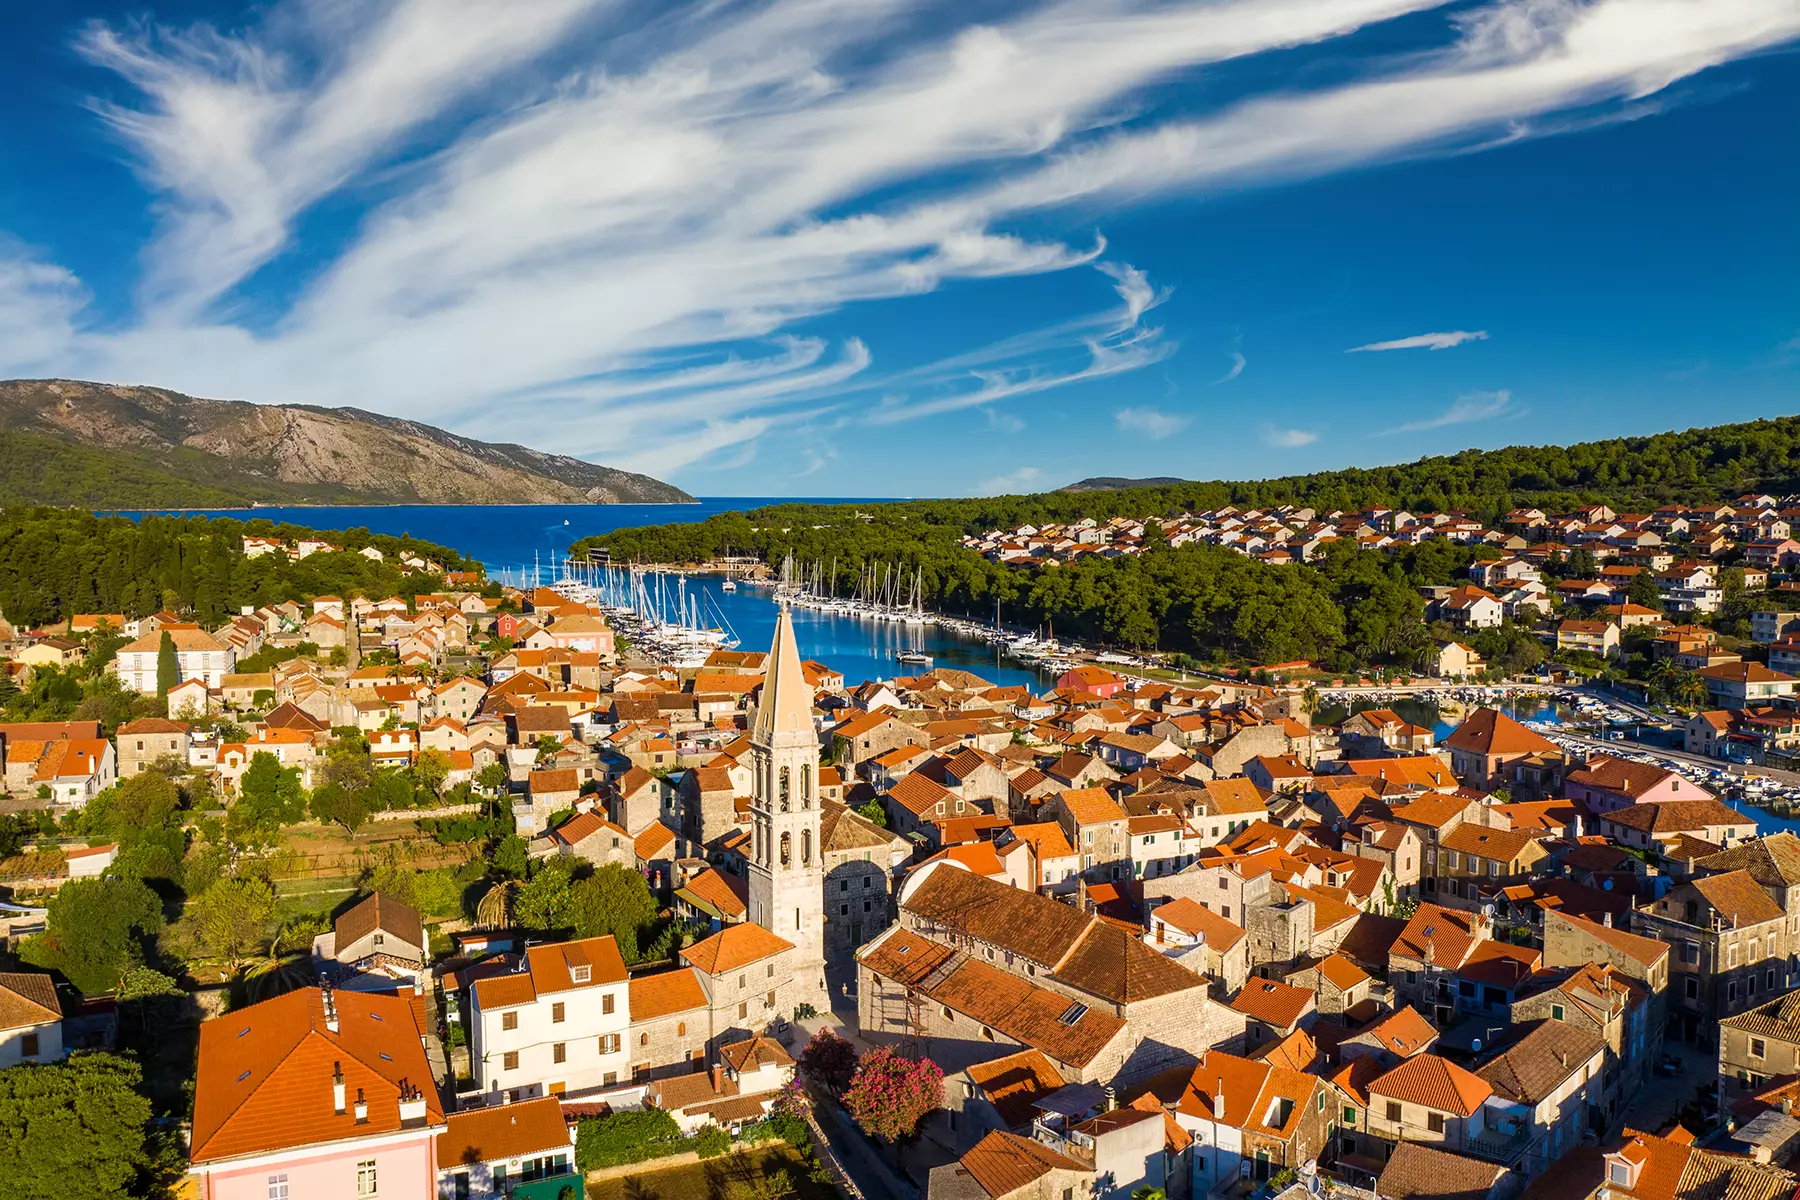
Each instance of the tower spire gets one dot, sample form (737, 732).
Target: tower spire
(786, 705)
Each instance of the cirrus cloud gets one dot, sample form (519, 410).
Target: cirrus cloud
(1424, 341)
(1465, 409)
(1150, 422)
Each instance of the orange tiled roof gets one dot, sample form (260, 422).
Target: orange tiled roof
(264, 1081)
(1436, 1083)
(665, 994)
(734, 947)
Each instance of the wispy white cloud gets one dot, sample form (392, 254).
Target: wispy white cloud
(1150, 422)
(1021, 480)
(1003, 422)
(579, 218)
(1238, 363)
(1288, 439)
(1465, 409)
(1425, 341)
(40, 303)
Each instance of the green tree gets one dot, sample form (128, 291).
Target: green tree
(873, 812)
(510, 857)
(96, 928)
(334, 803)
(431, 769)
(544, 903)
(269, 796)
(77, 1127)
(614, 901)
(230, 919)
(168, 666)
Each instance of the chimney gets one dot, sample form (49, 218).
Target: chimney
(1219, 1100)
(331, 1020)
(1787, 1106)
(362, 1108)
(412, 1105)
(337, 1088)
(718, 1079)
(1606, 920)
(1112, 1098)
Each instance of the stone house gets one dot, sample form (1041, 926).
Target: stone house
(144, 741)
(1730, 947)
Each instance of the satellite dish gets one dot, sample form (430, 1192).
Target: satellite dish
(1475, 1045)
(1487, 910)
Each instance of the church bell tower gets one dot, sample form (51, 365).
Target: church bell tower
(787, 876)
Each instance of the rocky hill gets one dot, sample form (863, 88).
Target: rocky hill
(100, 445)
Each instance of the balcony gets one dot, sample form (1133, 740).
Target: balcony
(1499, 1146)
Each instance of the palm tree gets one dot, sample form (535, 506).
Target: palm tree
(495, 909)
(276, 974)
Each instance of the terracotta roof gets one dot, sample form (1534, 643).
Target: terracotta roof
(1501, 845)
(1620, 776)
(1272, 1001)
(1434, 1082)
(1092, 806)
(264, 1081)
(1773, 861)
(1667, 817)
(726, 895)
(1066, 1031)
(1196, 920)
(1416, 1170)
(655, 838)
(1445, 934)
(381, 912)
(753, 1053)
(1488, 731)
(1003, 1163)
(1341, 973)
(1736, 895)
(561, 780)
(1402, 1032)
(664, 994)
(483, 1135)
(1012, 1084)
(27, 999)
(1533, 1068)
(1046, 838)
(583, 826)
(736, 946)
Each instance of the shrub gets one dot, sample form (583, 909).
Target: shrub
(628, 1136)
(711, 1142)
(891, 1093)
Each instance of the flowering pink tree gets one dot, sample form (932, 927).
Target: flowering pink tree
(891, 1094)
(829, 1060)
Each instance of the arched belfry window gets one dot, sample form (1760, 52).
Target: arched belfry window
(806, 786)
(806, 847)
(784, 789)
(787, 848)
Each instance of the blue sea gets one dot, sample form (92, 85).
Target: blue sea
(518, 542)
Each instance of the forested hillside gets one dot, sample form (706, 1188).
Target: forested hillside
(1347, 608)
(58, 562)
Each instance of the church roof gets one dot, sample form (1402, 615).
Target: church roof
(786, 705)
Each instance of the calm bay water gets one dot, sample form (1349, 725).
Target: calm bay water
(516, 540)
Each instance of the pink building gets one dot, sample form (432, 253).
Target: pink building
(315, 1093)
(1607, 784)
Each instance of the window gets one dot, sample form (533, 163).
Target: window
(681, 1029)
(1349, 1115)
(1731, 992)
(1618, 1174)
(28, 1045)
(559, 1052)
(743, 1009)
(1222, 884)
(1450, 858)
(1758, 1048)
(460, 1182)
(556, 1013)
(581, 974)
(278, 1187)
(365, 1177)
(769, 1000)
(380, 939)
(1225, 911)
(1693, 988)
(868, 906)
(843, 910)
(510, 1061)
(1435, 1122)
(1321, 1100)
(643, 1039)
(771, 970)
(1393, 1111)
(1556, 1012)
(843, 885)
(868, 882)
(606, 1004)
(509, 1020)
(743, 982)
(609, 1043)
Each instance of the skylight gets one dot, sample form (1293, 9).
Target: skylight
(243, 1077)
(385, 1055)
(1075, 1013)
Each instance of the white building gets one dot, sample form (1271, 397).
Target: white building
(198, 654)
(556, 1027)
(33, 1032)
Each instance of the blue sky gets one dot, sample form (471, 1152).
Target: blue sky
(885, 247)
